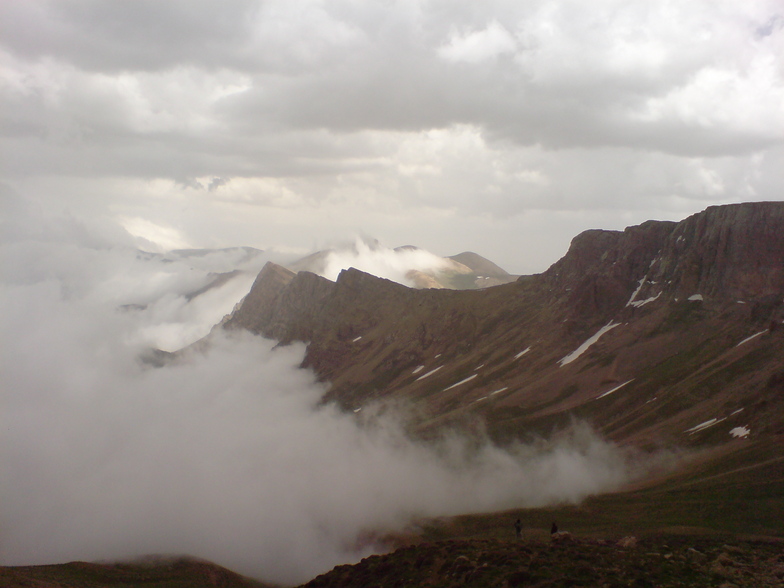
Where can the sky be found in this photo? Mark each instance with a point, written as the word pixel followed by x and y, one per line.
pixel 500 127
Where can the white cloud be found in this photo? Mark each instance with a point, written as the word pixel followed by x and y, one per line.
pixel 382 261
pixel 162 238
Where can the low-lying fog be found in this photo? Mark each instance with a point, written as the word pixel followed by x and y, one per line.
pixel 225 455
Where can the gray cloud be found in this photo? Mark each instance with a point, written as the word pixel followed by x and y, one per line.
pixel 343 117
pixel 146 35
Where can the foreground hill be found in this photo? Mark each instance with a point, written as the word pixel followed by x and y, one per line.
pixel 661 561
pixel 153 572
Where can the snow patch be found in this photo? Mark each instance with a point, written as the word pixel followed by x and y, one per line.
pixel 584 347
pixel 754 336
pixel 740 432
pixel 430 373
pixel 418 369
pixel 357 339
pixel 476 369
pixel 468 379
pixel 640 284
pixel 639 303
pixel 703 426
pixel 695 298
pixel 736 412
pixel 498 391
pixel 523 352
pixel 614 389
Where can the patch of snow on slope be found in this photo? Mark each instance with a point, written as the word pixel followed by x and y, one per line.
pixel 430 373
pixel 523 352
pixel 498 391
pixel 357 339
pixel 640 284
pixel 418 369
pixel 703 426
pixel 468 379
pixel 584 347
pixel 614 389
pixel 740 432
pixel 639 303
pixel 695 298
pixel 754 336
pixel 736 412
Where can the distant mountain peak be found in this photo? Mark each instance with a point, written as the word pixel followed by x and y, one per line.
pixel 408 265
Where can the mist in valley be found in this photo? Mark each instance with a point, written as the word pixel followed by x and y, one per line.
pixel 225 454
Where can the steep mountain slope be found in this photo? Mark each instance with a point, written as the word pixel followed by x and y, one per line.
pixel 665 333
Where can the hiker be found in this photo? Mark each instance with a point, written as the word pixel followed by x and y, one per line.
pixel 553 529
pixel 518 529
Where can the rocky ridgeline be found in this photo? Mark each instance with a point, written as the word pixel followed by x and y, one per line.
pixel 661 562
pixel 733 252
pixel 682 296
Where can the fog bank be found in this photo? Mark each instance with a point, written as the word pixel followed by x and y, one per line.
pixel 224 455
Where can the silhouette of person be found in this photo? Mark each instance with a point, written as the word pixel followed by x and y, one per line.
pixel 553 529
pixel 518 529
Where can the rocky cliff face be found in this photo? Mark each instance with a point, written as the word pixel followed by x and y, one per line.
pixel 734 251
pixel 647 333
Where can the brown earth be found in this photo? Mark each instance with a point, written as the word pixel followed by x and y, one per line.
pixel 567 560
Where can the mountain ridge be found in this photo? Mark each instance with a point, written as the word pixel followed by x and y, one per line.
pixel 667 292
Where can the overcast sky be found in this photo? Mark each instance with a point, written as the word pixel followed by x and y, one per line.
pixel 502 127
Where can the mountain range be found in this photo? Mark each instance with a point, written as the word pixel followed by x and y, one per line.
pixel 666 338
pixel 665 333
